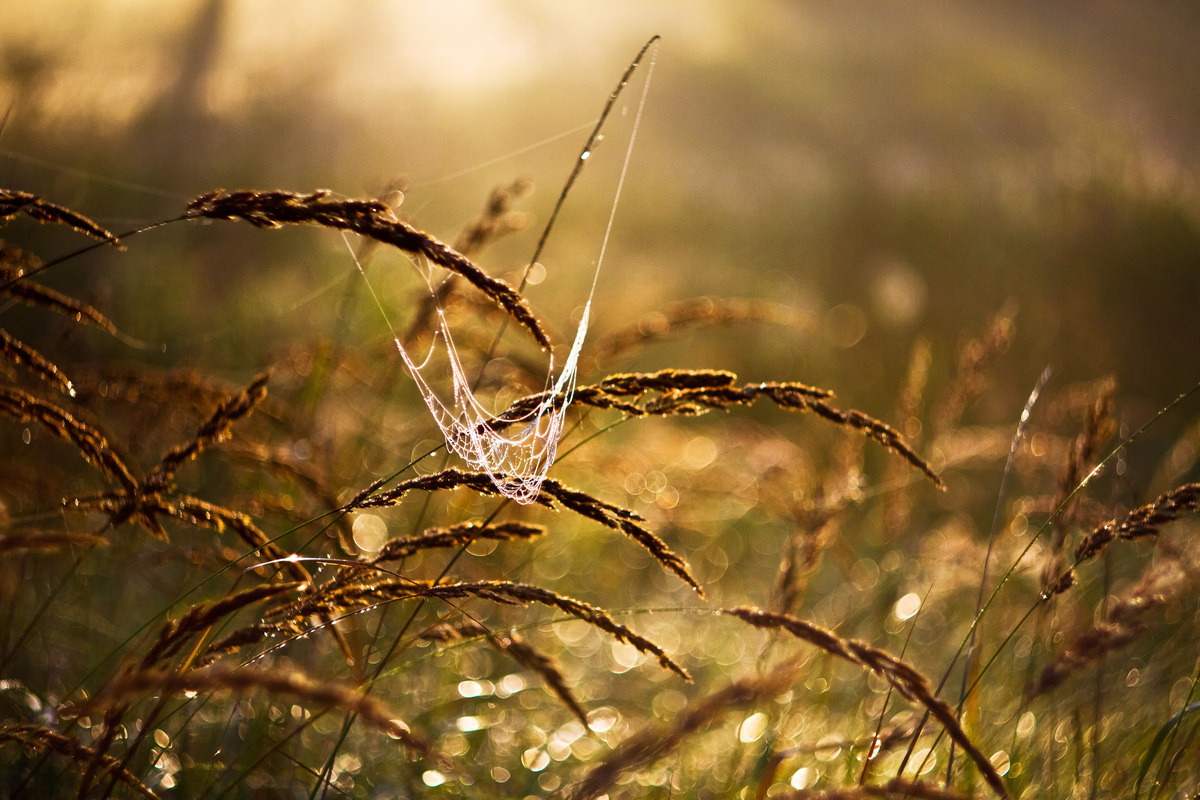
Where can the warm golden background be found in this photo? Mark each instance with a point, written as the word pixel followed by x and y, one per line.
pixel 903 181
pixel 920 163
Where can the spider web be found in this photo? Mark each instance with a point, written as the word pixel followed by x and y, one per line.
pixel 517 452
pixel 517 462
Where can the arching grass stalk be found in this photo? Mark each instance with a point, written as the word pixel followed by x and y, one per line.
pixel 87 249
pixel 1018 435
pixel 1163 740
pixel 1004 578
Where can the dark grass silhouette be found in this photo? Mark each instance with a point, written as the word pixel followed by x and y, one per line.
pixel 207 594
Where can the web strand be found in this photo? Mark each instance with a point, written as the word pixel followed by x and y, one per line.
pixel 518 454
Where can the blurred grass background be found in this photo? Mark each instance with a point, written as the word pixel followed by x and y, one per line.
pixel 914 167
pixel 897 173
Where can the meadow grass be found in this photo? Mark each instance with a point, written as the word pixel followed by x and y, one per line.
pixel 729 586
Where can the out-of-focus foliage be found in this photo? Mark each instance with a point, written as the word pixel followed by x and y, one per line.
pixel 916 206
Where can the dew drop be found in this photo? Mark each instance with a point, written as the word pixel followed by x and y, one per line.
pixel 908 606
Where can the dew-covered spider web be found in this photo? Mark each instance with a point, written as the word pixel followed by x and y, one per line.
pixel 516 452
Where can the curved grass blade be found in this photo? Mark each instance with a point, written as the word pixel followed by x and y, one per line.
pixel 1156 745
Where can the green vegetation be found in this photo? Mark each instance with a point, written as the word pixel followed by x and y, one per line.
pixel 795 544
